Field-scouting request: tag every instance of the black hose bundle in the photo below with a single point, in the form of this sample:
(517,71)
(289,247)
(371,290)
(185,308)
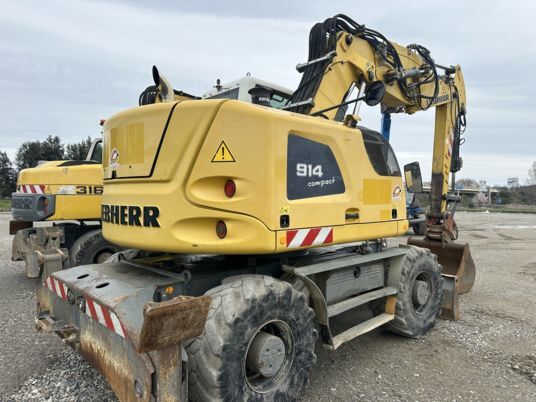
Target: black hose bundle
(323,40)
(460,124)
(148,96)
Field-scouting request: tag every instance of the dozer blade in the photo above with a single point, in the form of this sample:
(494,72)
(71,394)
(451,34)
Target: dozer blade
(458,272)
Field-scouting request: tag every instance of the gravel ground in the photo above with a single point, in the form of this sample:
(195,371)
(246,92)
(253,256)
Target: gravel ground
(489,355)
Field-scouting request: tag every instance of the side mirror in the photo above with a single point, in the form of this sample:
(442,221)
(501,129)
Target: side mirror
(412,174)
(374,93)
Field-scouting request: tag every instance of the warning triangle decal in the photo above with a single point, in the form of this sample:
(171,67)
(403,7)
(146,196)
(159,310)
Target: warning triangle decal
(223,154)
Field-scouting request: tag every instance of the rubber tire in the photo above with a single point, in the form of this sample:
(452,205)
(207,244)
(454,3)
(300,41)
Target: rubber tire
(216,358)
(87,247)
(419,228)
(407,321)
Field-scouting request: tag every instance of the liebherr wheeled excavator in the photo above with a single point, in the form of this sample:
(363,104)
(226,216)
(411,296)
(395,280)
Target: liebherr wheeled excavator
(261,225)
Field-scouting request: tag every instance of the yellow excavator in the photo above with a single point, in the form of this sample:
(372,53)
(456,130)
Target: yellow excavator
(259,226)
(56,206)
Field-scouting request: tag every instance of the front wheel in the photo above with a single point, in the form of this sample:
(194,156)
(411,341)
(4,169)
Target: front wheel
(420,290)
(258,343)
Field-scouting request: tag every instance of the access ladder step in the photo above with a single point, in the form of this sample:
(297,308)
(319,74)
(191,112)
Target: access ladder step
(341,307)
(360,329)
(345,262)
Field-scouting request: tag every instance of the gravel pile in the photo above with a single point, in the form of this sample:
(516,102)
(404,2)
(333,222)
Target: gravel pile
(478,325)
(70,378)
(489,355)
(525,365)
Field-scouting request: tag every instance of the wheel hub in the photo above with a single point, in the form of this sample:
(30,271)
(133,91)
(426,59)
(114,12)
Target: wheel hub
(266,354)
(421,292)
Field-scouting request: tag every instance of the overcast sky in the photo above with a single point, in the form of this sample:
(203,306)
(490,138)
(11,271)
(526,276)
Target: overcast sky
(65,64)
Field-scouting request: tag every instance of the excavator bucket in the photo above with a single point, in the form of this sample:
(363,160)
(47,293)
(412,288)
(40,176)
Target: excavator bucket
(458,272)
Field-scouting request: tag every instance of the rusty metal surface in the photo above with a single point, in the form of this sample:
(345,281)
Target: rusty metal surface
(172,384)
(172,322)
(450,308)
(114,357)
(50,261)
(127,372)
(21,245)
(143,364)
(15,226)
(28,243)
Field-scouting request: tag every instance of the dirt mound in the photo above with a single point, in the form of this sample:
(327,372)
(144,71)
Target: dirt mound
(525,365)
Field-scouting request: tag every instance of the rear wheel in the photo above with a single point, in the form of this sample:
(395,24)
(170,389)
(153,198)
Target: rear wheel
(258,343)
(91,248)
(420,292)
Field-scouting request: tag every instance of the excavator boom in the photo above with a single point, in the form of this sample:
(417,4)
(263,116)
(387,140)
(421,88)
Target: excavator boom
(343,56)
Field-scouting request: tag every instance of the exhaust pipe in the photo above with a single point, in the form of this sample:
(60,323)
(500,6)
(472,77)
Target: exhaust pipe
(164,86)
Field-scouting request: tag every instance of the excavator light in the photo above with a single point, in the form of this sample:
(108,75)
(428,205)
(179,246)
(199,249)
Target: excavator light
(221,229)
(230,188)
(169,290)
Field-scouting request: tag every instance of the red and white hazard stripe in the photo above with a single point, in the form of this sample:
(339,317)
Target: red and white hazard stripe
(56,287)
(450,141)
(32,188)
(94,310)
(309,237)
(105,316)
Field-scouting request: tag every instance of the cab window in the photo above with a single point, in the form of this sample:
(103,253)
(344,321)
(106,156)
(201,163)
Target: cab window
(380,154)
(97,152)
(279,99)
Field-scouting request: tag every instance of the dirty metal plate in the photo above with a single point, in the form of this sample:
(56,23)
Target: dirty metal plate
(128,373)
(450,307)
(345,262)
(15,226)
(173,322)
(118,287)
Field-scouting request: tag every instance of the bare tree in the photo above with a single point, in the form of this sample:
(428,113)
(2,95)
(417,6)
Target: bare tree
(468,183)
(532,174)
(481,200)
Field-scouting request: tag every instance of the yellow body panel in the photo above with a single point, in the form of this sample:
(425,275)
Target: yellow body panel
(77,189)
(185,182)
(357,62)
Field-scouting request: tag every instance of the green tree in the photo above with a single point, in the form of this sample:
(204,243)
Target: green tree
(31,152)
(7,176)
(78,150)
